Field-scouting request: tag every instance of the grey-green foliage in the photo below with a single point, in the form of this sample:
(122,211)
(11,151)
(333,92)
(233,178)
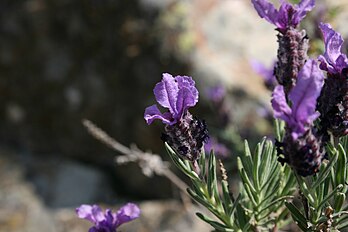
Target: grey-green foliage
(323,195)
(265,185)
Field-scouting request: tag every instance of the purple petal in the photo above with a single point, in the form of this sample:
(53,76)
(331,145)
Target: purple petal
(187,95)
(166,93)
(266,10)
(333,60)
(301,10)
(93,213)
(282,20)
(280,106)
(304,95)
(187,82)
(186,99)
(152,113)
(127,213)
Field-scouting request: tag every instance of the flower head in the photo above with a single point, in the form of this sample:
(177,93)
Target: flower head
(333,61)
(303,96)
(184,132)
(177,94)
(108,221)
(287,15)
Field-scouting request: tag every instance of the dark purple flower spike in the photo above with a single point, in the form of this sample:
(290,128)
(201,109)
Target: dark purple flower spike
(333,102)
(185,133)
(107,221)
(301,148)
(293,44)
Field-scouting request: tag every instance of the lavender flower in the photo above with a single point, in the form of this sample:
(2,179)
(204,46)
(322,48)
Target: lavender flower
(333,102)
(333,61)
(287,15)
(176,94)
(267,73)
(220,150)
(185,133)
(303,97)
(293,44)
(108,221)
(301,147)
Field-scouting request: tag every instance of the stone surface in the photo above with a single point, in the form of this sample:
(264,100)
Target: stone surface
(22,210)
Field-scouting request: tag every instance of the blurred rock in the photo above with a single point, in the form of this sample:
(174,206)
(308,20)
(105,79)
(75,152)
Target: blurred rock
(22,210)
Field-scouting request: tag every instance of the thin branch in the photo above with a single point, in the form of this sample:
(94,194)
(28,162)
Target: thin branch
(149,163)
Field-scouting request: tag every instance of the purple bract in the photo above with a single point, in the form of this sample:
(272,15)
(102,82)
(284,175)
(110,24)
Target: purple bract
(287,15)
(108,221)
(303,97)
(177,94)
(333,61)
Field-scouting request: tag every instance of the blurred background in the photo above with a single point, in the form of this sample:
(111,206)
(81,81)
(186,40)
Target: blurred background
(63,61)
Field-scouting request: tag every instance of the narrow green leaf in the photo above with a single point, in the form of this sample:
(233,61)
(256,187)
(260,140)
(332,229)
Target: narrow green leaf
(279,126)
(226,198)
(339,200)
(180,164)
(266,161)
(215,224)
(325,173)
(212,181)
(304,189)
(246,159)
(234,207)
(341,167)
(328,197)
(201,163)
(244,176)
(276,201)
(199,199)
(241,218)
(297,216)
(290,185)
(256,164)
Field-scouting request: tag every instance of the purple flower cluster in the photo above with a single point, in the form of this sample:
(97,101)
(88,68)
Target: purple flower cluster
(301,147)
(184,132)
(303,98)
(333,102)
(301,82)
(176,94)
(293,44)
(107,221)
